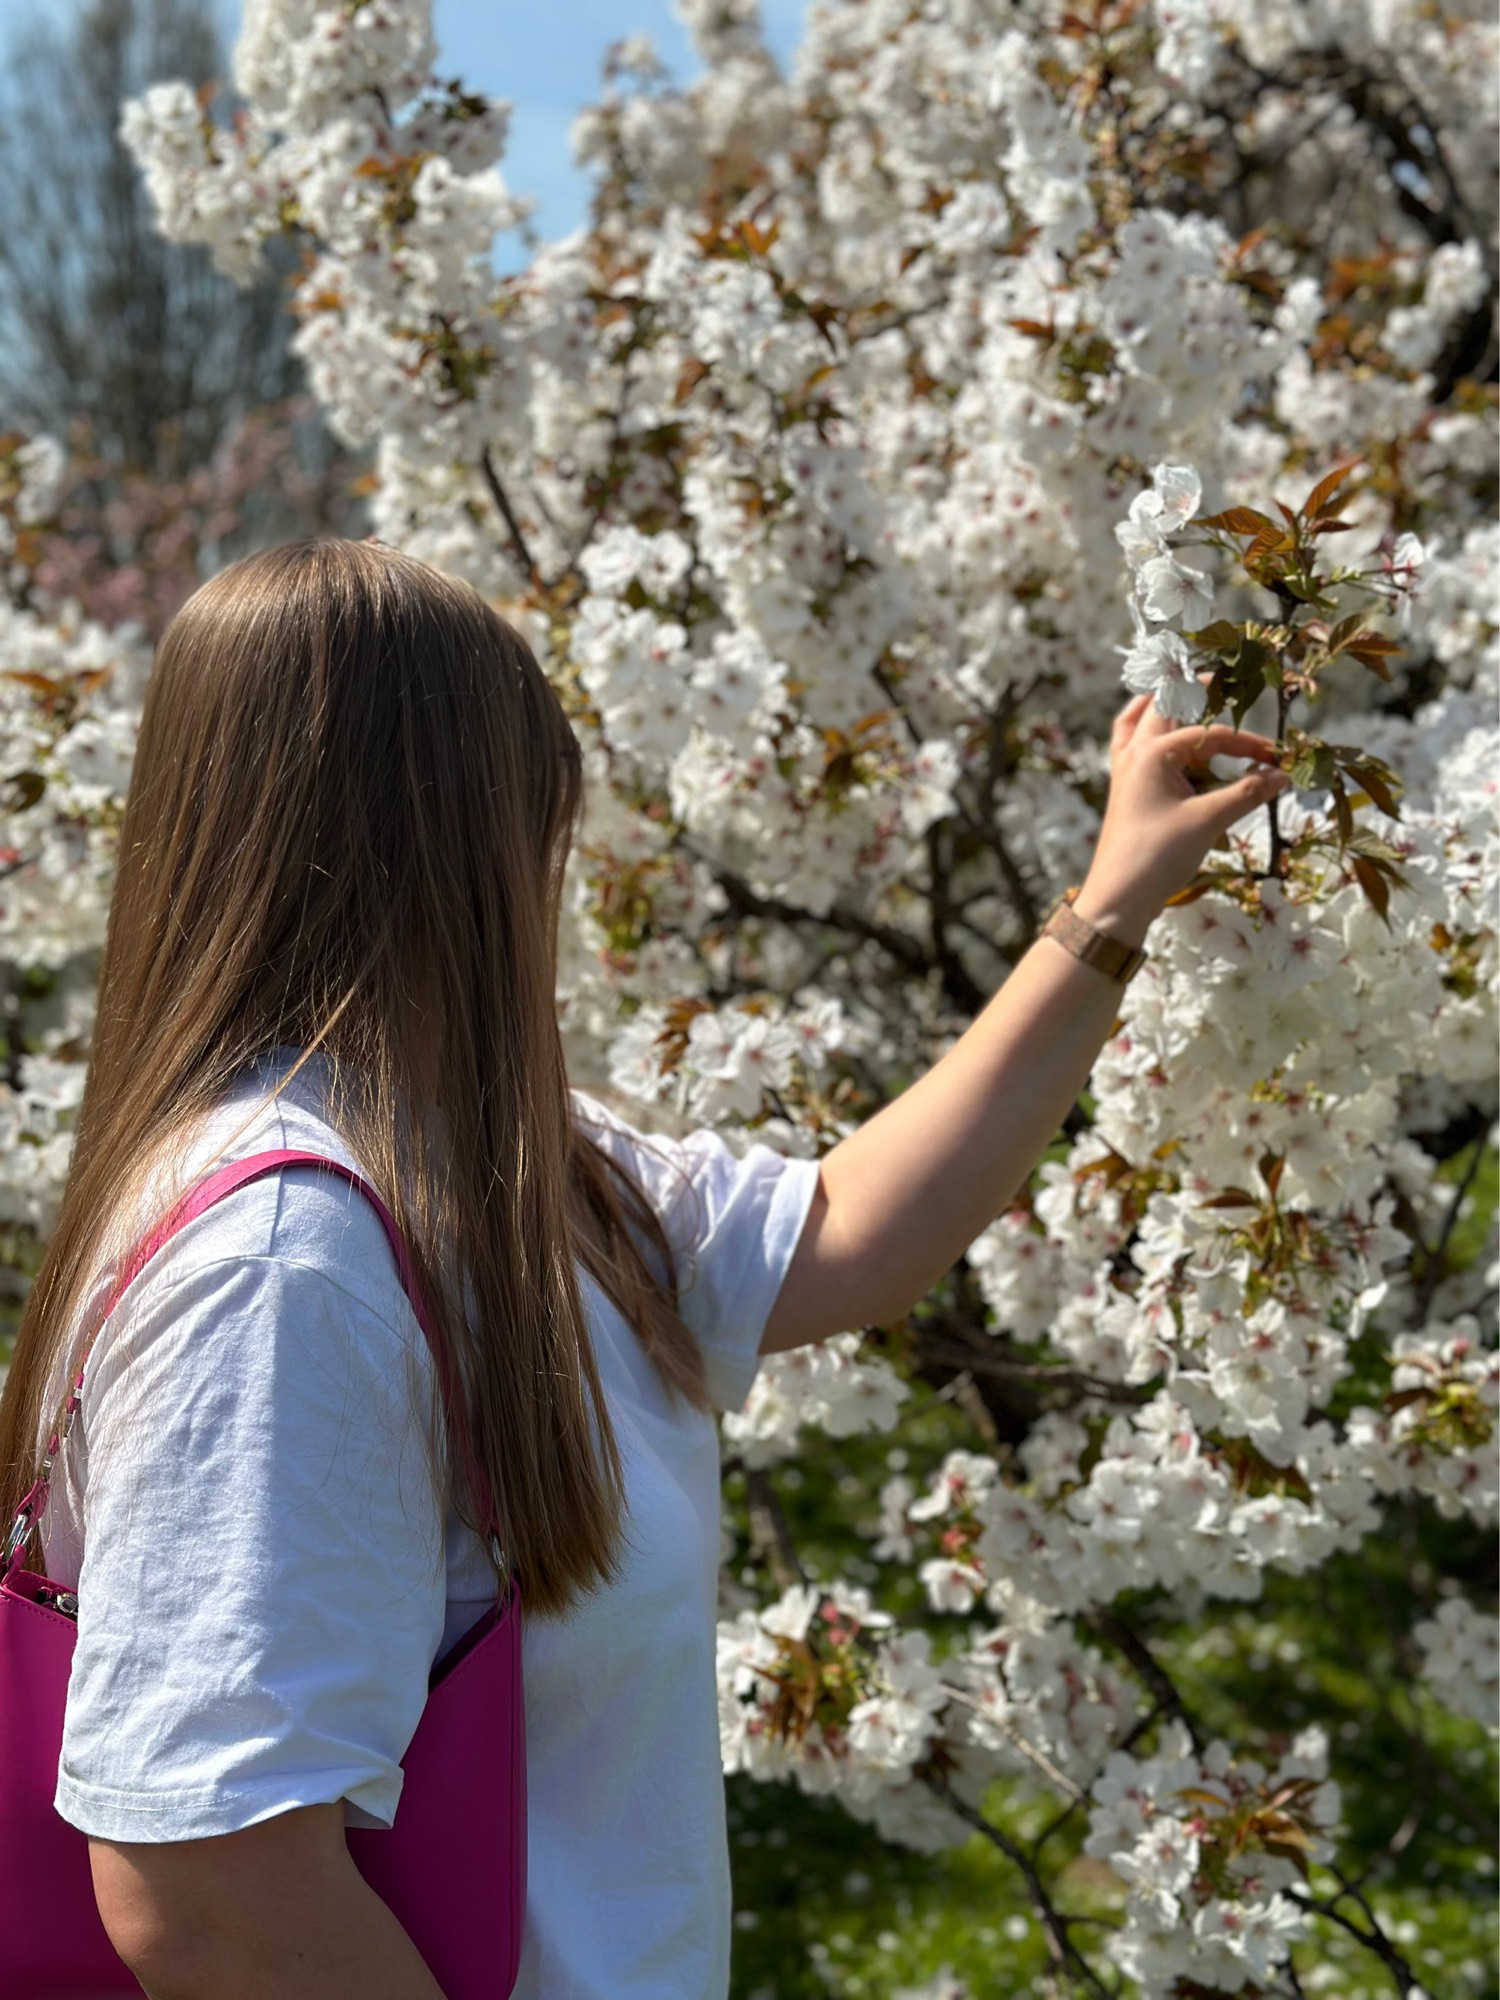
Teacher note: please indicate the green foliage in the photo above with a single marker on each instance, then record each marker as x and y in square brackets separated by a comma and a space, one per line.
[824, 1907]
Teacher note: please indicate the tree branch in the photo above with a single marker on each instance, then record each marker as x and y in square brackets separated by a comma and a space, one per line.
[1058, 1779]
[770, 1534]
[744, 902]
[1055, 1925]
[1109, 1626]
[1048, 1374]
[501, 500]
[1293, 1980]
[1128, 1741]
[1374, 1939]
[1433, 1257]
[1379, 102]
[958, 982]
[982, 821]
[882, 679]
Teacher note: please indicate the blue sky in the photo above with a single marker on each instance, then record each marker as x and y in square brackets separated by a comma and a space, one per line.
[547, 60]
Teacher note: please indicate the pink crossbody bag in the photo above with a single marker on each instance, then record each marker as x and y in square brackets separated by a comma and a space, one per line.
[453, 1866]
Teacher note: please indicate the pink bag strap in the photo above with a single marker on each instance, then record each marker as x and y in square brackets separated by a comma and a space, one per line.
[197, 1200]
[201, 1197]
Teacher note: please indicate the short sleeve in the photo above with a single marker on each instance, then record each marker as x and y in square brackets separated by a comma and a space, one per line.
[262, 1585]
[733, 1222]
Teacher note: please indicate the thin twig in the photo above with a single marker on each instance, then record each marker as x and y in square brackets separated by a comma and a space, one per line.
[507, 514]
[1433, 1257]
[1128, 1741]
[1111, 1627]
[1374, 1939]
[1058, 1779]
[1054, 1924]
[744, 902]
[770, 1533]
[882, 680]
[1048, 1374]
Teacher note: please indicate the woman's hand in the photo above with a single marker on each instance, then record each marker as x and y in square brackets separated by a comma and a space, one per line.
[1158, 825]
[276, 1912]
[901, 1198]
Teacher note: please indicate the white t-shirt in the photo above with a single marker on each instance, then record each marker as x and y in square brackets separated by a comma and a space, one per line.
[265, 1580]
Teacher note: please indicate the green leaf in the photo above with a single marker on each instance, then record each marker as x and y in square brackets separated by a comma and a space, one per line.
[1220, 637]
[1343, 812]
[1372, 881]
[1382, 783]
[22, 789]
[1307, 591]
[1249, 684]
[1313, 766]
[1370, 843]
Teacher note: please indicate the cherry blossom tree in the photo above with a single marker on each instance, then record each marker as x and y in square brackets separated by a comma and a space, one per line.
[127, 547]
[70, 692]
[888, 422]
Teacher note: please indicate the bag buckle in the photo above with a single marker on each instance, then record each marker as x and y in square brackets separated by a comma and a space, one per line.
[502, 1564]
[20, 1528]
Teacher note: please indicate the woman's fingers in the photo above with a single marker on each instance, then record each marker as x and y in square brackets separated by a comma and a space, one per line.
[1256, 788]
[1127, 719]
[1189, 742]
[1218, 739]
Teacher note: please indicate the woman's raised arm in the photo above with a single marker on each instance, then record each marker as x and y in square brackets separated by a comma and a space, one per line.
[903, 1197]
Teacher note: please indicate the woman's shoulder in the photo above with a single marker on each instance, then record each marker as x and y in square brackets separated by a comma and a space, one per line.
[660, 1162]
[295, 1217]
[656, 1133]
[704, 1186]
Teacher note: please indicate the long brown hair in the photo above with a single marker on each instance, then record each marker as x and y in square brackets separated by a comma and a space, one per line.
[352, 802]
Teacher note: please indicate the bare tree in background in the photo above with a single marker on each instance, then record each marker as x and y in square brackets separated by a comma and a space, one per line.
[101, 322]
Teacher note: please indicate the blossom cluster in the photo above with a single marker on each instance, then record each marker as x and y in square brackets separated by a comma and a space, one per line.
[1460, 1650]
[829, 1387]
[70, 693]
[1212, 1848]
[820, 1687]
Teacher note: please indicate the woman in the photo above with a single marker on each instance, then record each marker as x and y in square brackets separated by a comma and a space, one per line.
[334, 927]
